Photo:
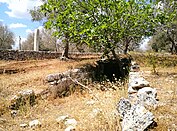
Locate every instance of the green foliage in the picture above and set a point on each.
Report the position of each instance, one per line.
(165, 37)
(103, 25)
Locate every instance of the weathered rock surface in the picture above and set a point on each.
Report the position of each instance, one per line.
(138, 83)
(123, 107)
(137, 119)
(147, 97)
(60, 84)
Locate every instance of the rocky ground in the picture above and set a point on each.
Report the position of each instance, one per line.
(88, 111)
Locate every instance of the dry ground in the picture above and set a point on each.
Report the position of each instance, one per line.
(81, 106)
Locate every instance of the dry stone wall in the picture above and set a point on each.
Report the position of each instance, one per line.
(135, 111)
(39, 55)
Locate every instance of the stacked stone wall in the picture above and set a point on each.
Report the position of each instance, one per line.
(39, 55)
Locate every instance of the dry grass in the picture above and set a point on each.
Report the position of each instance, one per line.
(166, 84)
(46, 111)
(76, 105)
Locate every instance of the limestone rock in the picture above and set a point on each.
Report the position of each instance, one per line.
(35, 123)
(123, 107)
(147, 96)
(138, 83)
(137, 119)
(131, 90)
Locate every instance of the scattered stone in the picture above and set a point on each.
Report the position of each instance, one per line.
(70, 128)
(35, 123)
(24, 125)
(147, 96)
(70, 122)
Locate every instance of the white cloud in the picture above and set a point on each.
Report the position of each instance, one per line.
(40, 27)
(29, 31)
(1, 20)
(17, 25)
(20, 8)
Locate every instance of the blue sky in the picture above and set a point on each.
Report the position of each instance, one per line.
(15, 14)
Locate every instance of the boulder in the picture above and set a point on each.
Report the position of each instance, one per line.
(137, 119)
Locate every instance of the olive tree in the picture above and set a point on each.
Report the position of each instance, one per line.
(7, 38)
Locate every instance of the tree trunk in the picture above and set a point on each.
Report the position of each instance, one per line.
(126, 48)
(127, 41)
(65, 53)
(173, 43)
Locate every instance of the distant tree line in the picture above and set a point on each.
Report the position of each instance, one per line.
(7, 38)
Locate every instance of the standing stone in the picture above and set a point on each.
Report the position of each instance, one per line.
(20, 46)
(36, 40)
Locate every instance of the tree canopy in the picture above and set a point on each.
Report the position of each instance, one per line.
(104, 24)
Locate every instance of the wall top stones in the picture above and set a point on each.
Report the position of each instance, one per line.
(36, 55)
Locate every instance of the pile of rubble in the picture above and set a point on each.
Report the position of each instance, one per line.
(135, 111)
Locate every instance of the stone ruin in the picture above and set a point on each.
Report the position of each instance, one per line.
(135, 111)
(60, 84)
